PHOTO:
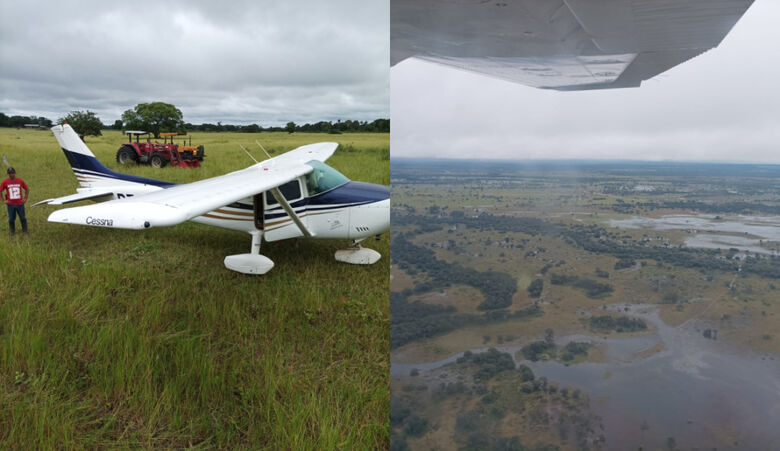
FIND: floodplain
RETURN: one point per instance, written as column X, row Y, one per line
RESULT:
column 649, row 289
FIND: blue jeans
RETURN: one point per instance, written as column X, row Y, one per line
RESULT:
column 13, row 210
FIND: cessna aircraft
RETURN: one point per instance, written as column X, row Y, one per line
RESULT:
column 566, row 45
column 294, row 194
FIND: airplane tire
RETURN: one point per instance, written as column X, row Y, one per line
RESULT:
column 125, row 155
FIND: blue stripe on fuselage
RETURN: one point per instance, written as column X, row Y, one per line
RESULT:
column 349, row 194
column 85, row 162
column 352, row 193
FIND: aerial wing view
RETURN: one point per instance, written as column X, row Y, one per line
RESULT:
column 579, row 268
column 561, row 44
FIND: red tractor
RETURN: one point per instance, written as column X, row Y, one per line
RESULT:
column 159, row 154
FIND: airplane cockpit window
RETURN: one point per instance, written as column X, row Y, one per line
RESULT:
column 290, row 190
column 323, row 178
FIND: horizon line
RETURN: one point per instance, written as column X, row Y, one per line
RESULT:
column 589, row 160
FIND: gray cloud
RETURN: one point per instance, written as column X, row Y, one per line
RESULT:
column 235, row 62
column 723, row 105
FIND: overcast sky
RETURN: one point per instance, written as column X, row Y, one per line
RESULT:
column 237, row 61
column 721, row 106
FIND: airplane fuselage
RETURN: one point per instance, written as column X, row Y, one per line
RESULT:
column 353, row 210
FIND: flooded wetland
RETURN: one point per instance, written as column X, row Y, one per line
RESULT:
column 611, row 308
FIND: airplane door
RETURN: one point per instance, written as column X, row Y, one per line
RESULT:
column 277, row 223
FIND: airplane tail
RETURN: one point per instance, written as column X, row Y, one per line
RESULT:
column 89, row 171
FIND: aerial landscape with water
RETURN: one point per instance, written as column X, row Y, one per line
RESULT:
column 544, row 305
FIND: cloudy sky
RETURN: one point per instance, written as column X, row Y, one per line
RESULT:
column 238, row 61
column 721, row 106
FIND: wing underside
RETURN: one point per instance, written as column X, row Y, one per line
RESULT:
column 561, row 44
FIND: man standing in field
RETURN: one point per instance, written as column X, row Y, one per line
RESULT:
column 13, row 199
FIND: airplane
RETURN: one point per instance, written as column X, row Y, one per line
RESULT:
column 566, row 45
column 291, row 195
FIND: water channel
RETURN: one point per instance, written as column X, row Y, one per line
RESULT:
column 745, row 233
column 671, row 383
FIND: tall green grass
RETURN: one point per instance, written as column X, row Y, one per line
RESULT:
column 113, row 338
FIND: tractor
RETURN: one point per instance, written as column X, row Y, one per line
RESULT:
column 159, row 154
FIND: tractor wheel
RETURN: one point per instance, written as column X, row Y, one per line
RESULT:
column 125, row 155
column 157, row 161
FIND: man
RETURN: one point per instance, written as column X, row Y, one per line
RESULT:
column 14, row 200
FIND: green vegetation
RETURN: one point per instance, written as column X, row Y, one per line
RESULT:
column 334, row 128
column 417, row 320
column 593, row 289
column 130, row 339
column 535, row 288
column 574, row 349
column 500, row 395
column 608, row 323
column 85, row 123
column 490, row 363
column 154, row 117
column 538, row 350
column 547, row 350
column 498, row 288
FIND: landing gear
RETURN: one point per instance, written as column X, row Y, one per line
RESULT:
column 252, row 263
column 357, row 255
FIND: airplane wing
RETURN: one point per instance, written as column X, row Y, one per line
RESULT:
column 180, row 203
column 561, row 44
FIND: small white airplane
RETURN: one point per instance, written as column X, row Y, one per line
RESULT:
column 294, row 194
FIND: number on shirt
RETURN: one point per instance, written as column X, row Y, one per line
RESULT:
column 14, row 192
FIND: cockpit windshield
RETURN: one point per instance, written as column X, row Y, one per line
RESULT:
column 323, row 178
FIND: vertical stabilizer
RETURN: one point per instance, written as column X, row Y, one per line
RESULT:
column 89, row 171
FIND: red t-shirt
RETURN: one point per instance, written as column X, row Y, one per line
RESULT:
column 14, row 188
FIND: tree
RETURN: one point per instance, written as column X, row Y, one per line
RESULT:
column 117, row 125
column 549, row 336
column 155, row 117
column 290, row 127
column 535, row 288
column 83, row 122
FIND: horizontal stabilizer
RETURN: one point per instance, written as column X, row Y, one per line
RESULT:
column 87, row 195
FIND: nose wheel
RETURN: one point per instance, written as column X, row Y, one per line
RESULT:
column 358, row 255
column 252, row 263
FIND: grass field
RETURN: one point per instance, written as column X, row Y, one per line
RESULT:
column 114, row 338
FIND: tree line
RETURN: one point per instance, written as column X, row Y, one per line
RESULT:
column 497, row 287
column 411, row 321
column 158, row 117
